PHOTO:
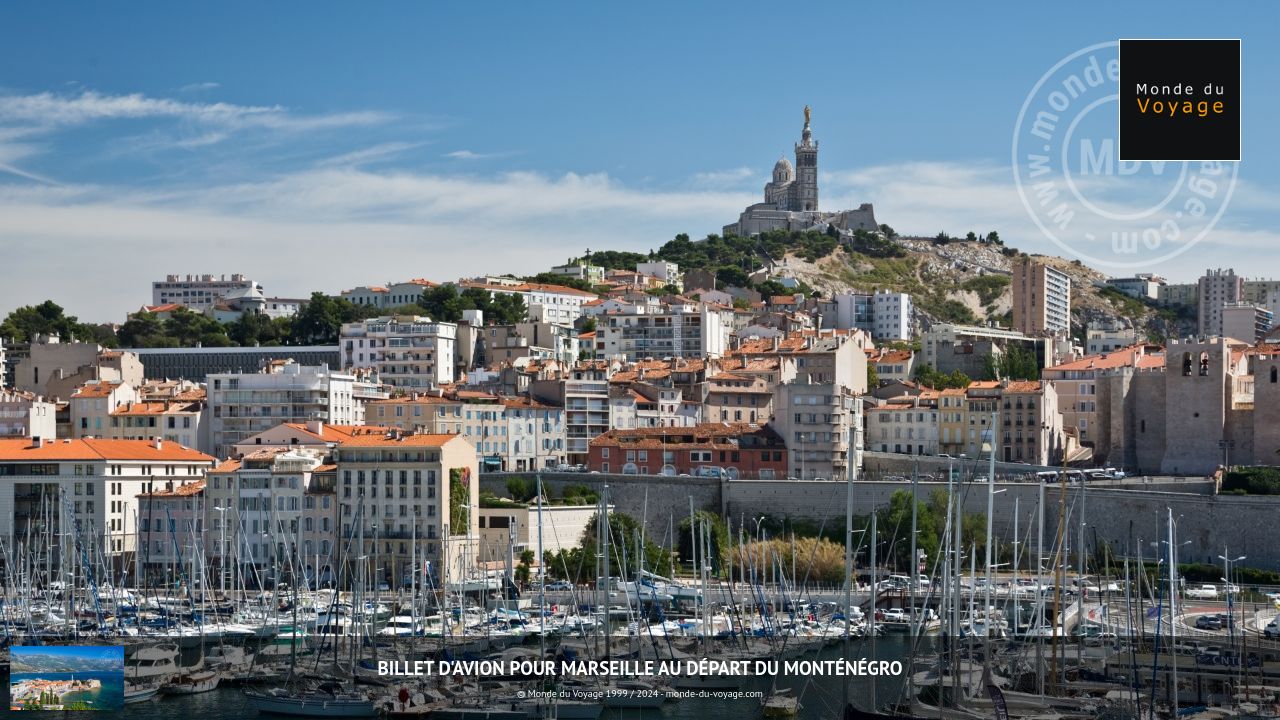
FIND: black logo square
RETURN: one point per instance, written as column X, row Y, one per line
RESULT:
column 1180, row 100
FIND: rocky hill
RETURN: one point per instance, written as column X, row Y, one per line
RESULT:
column 968, row 282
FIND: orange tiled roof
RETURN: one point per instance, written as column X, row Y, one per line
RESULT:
column 397, row 440
column 1023, row 386
column 166, row 307
column 183, row 490
column 227, row 466
column 1124, row 357
column 98, row 449
column 153, row 408
column 340, row 433
column 95, row 390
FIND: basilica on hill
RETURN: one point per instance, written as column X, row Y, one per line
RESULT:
column 791, row 198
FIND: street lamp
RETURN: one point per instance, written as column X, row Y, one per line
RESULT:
column 1226, row 579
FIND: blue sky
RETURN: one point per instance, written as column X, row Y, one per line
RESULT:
column 323, row 146
column 99, row 652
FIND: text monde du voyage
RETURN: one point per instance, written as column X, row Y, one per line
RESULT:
column 1180, row 99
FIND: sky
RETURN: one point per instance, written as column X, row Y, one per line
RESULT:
column 323, row 146
column 98, row 652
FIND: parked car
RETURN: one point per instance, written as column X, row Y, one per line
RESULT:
column 895, row 615
column 1272, row 630
column 1208, row 622
column 559, row 585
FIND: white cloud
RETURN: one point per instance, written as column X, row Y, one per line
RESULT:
column 469, row 155
column 732, row 179
column 365, row 156
column 198, row 87
column 50, row 110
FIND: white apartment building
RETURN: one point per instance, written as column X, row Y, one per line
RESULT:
column 667, row 272
column 254, row 513
column 405, row 351
column 91, row 485
column 388, row 296
column 1101, row 338
column 508, row 433
column 24, row 414
column 692, row 330
column 891, row 313
column 198, row 292
column 245, row 404
column 584, row 395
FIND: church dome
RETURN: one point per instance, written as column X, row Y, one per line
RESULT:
column 782, row 171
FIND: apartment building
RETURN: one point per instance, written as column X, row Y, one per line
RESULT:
column 24, row 414
column 1041, row 298
column 817, row 421
column 170, row 533
column 198, row 292
column 508, row 433
column 255, row 515
column 391, row 295
column 494, row 346
column 1030, row 427
column 584, row 394
column 394, row 487
column 1245, row 321
column 819, row 356
column 55, row 369
column 67, row 491
column 907, row 424
column 1215, row 290
column 737, row 398
column 242, row 405
column 690, row 330
column 405, row 351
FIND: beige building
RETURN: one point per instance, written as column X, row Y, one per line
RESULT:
column 1030, row 424
column 55, row 369
column 1216, row 289
column 737, row 398
column 817, row 422
column 1077, row 384
column 1041, row 298
column 506, row 532
column 394, row 486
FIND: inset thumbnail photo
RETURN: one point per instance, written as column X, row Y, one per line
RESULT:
column 66, row 678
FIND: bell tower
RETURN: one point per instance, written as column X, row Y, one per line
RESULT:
column 806, row 183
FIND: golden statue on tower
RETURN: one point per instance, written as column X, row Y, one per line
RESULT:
column 806, row 114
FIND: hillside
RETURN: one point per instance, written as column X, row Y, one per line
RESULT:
column 951, row 279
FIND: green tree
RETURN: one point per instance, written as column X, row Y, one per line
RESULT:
column 873, row 377
column 894, row 527
column 141, row 330
column 320, row 321
column 521, row 488
column 47, row 318
column 459, row 500
column 719, row 540
column 1015, row 363
column 188, row 328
